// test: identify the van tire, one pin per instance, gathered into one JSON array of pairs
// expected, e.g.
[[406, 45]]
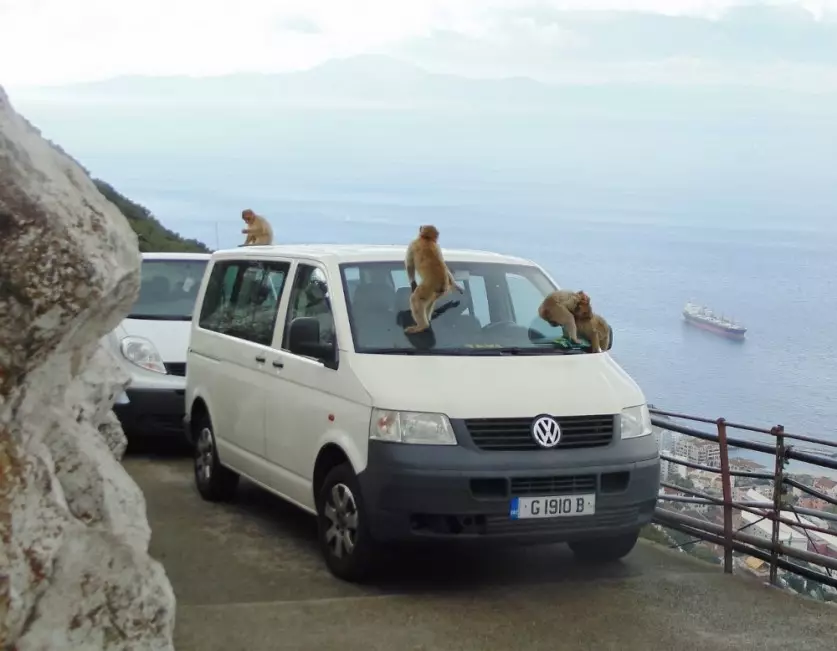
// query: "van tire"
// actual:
[[214, 482], [604, 550], [341, 513]]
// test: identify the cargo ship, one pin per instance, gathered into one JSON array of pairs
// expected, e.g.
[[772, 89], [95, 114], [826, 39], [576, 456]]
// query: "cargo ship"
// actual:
[[703, 317]]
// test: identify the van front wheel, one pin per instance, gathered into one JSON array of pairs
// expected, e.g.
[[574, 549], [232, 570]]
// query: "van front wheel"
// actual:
[[345, 541], [604, 550], [215, 483]]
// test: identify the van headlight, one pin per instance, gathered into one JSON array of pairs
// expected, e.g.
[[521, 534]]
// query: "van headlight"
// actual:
[[411, 427], [636, 422], [142, 353]]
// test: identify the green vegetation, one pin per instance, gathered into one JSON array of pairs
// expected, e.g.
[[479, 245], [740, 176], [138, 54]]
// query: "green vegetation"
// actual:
[[153, 236]]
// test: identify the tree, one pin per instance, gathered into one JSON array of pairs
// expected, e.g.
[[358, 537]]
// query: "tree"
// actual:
[[152, 235], [683, 482]]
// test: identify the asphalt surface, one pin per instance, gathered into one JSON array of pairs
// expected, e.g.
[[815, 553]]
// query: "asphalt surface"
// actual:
[[248, 576]]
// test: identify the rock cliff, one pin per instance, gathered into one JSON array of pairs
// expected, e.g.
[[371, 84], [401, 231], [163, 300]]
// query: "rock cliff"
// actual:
[[74, 566]]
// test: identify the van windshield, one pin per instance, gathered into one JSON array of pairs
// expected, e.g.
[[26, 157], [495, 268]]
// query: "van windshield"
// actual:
[[497, 315], [168, 289]]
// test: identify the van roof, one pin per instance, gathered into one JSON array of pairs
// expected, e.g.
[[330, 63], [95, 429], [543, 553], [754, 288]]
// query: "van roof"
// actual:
[[174, 255], [337, 253]]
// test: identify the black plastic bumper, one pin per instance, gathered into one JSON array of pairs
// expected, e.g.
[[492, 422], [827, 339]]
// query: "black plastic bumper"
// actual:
[[416, 492], [152, 412]]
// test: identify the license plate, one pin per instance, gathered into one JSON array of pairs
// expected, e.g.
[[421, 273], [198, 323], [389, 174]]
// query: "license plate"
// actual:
[[552, 506]]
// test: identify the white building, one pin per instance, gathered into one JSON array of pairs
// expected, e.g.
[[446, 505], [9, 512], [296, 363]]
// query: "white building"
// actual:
[[706, 453], [669, 469], [822, 543], [756, 525]]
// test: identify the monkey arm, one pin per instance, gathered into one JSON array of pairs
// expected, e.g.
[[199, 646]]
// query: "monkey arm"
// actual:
[[410, 265], [452, 280]]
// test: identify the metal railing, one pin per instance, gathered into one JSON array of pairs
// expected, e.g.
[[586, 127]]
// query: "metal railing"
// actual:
[[779, 510]]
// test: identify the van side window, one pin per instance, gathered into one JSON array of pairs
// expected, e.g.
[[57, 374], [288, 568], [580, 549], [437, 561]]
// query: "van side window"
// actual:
[[310, 298], [242, 299]]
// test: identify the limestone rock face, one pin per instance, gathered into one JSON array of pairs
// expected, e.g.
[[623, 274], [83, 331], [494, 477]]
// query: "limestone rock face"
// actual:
[[74, 566]]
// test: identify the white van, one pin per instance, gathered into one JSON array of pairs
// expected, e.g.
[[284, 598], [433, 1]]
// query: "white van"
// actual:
[[151, 343], [482, 428]]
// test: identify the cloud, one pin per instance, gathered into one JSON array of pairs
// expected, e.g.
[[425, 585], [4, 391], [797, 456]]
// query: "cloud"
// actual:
[[300, 24], [783, 45], [61, 41]]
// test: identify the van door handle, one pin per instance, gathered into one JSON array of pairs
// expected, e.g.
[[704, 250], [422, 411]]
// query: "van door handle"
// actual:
[[260, 359], [278, 364]]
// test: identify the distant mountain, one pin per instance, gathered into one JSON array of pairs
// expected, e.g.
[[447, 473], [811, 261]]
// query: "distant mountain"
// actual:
[[374, 81]]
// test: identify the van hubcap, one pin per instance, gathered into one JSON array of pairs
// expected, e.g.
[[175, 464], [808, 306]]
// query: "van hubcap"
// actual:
[[203, 454], [341, 512]]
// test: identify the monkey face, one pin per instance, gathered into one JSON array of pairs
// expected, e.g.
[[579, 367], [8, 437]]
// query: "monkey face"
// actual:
[[583, 310], [429, 232], [248, 216]]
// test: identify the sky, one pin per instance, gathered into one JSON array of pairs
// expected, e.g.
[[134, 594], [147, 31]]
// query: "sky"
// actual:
[[779, 42]]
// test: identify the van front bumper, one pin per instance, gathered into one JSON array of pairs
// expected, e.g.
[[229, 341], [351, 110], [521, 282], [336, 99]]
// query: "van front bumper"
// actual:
[[414, 492], [151, 412]]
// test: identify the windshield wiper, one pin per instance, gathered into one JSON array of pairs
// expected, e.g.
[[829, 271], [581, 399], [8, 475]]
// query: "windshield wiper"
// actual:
[[516, 350], [161, 317], [395, 351], [470, 352]]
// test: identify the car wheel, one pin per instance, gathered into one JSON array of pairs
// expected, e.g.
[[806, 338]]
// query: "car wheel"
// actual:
[[346, 544], [215, 483], [604, 550]]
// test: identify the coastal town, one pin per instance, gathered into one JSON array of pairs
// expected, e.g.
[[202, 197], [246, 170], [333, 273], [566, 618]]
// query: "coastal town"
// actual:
[[756, 492]]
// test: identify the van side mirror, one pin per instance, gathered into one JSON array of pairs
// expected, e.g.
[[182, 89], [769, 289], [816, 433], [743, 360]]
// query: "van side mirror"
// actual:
[[304, 339]]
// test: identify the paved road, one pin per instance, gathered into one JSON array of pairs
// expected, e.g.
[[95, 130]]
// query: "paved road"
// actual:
[[248, 577]]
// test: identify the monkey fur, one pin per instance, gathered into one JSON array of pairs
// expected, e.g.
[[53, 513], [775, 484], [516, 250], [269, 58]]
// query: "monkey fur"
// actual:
[[258, 229], [425, 256], [558, 309], [592, 327]]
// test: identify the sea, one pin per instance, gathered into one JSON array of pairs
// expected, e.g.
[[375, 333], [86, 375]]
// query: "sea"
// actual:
[[747, 232]]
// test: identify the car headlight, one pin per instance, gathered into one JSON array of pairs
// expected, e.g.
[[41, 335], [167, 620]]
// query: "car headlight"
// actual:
[[636, 422], [411, 427], [142, 352]]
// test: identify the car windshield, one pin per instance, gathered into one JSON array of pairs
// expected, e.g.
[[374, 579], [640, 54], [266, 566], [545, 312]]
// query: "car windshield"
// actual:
[[497, 315], [168, 289]]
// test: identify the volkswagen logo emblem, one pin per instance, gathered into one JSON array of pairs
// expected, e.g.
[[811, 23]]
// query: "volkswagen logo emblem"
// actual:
[[546, 431]]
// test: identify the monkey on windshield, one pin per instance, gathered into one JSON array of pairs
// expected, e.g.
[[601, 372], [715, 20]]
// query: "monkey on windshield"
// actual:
[[425, 256], [558, 309], [592, 327], [258, 230]]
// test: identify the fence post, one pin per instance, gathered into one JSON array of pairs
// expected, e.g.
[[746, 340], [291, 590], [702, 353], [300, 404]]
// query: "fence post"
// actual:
[[778, 485], [726, 488]]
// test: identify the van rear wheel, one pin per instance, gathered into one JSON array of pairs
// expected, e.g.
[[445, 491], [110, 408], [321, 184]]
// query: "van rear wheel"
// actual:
[[214, 482], [345, 542], [604, 550]]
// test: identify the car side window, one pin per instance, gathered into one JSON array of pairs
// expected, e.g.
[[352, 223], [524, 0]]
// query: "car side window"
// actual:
[[310, 298], [242, 299]]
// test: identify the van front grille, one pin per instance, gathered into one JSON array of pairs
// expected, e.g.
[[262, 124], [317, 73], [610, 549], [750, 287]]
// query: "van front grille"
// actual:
[[515, 433], [557, 485]]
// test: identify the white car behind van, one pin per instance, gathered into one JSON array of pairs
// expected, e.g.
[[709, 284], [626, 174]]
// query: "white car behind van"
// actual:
[[484, 428], [151, 343]]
